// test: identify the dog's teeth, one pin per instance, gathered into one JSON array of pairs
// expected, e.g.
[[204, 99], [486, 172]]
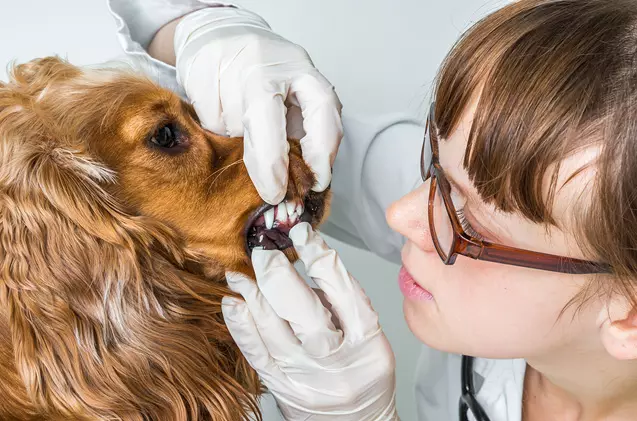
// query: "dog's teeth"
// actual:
[[269, 218], [294, 217], [281, 212], [291, 207], [299, 209]]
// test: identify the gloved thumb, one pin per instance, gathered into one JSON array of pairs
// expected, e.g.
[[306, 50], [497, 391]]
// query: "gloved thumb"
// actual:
[[244, 332]]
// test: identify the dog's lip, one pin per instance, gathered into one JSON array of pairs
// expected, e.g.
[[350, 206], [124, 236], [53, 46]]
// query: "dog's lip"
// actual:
[[255, 215]]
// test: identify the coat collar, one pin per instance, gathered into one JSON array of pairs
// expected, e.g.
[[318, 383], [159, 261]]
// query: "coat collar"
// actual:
[[499, 385]]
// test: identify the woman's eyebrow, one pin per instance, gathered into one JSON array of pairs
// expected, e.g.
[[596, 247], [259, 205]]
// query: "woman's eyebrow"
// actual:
[[457, 186], [466, 192]]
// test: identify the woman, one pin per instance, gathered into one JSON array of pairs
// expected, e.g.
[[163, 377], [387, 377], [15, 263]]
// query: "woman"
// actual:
[[519, 243]]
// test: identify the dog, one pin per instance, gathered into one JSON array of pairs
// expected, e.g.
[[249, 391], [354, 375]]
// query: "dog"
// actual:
[[119, 216]]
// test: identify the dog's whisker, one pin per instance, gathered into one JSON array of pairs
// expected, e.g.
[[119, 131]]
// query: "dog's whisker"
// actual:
[[221, 171]]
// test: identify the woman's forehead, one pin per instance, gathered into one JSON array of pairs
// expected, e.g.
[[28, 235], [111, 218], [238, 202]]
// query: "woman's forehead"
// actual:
[[451, 151]]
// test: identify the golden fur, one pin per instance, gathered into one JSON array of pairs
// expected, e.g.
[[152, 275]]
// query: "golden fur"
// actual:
[[113, 253]]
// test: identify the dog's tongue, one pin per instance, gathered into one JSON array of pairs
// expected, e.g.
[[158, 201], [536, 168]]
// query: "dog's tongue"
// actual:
[[274, 239]]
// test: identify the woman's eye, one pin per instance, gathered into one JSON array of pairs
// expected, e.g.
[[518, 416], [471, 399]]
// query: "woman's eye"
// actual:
[[165, 136], [466, 226]]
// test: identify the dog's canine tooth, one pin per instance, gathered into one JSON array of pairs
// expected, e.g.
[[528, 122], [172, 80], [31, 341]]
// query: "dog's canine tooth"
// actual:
[[269, 218], [291, 207], [281, 212], [299, 209]]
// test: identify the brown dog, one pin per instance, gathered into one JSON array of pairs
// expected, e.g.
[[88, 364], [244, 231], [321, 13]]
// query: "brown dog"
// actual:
[[119, 216]]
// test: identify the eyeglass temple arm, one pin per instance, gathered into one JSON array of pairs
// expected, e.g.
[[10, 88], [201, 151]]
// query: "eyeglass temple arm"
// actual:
[[535, 260]]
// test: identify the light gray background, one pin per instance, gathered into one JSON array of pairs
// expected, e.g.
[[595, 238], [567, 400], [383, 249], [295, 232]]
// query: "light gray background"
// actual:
[[381, 55]]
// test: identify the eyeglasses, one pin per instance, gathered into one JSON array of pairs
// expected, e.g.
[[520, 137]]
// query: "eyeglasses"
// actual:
[[450, 238]]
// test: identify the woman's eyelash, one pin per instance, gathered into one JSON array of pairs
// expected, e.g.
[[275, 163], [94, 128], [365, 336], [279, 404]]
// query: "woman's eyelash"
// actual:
[[466, 226]]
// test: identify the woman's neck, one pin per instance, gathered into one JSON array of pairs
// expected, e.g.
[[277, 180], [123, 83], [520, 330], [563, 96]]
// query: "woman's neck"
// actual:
[[585, 386]]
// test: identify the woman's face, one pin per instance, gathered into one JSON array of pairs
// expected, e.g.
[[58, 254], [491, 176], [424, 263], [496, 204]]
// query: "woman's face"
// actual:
[[487, 309]]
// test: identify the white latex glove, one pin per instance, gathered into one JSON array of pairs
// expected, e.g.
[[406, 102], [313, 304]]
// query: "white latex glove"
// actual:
[[314, 370], [242, 79]]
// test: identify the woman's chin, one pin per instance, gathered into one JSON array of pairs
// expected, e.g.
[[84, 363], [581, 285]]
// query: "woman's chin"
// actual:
[[423, 321], [429, 329], [422, 324]]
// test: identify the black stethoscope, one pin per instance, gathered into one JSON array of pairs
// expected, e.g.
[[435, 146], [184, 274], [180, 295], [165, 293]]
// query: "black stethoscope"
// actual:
[[468, 401]]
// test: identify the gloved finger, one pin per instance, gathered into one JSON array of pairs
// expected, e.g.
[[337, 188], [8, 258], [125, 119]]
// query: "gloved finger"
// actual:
[[293, 300], [275, 332], [349, 302], [201, 89], [246, 335], [266, 146], [231, 100], [326, 303], [322, 124]]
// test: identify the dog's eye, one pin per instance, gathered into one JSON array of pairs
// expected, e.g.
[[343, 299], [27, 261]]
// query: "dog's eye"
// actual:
[[166, 136]]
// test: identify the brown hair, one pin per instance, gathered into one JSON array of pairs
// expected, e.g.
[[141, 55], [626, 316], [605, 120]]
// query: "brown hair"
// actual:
[[553, 77]]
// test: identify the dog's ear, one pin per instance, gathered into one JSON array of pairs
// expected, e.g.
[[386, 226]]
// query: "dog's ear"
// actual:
[[110, 316], [30, 79]]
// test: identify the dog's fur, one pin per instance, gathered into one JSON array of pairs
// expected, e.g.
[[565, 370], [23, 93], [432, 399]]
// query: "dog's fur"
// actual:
[[113, 252]]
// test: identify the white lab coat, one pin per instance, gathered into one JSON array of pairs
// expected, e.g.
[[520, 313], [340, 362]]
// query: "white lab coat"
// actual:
[[362, 190]]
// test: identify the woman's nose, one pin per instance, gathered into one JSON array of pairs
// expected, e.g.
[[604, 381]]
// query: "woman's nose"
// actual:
[[409, 217]]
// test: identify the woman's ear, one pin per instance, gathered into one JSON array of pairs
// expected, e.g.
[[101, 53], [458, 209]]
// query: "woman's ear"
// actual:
[[619, 329]]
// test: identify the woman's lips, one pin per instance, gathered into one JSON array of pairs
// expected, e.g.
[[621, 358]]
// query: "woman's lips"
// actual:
[[410, 289]]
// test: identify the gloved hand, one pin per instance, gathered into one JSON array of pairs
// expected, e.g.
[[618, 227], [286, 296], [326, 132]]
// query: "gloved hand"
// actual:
[[244, 80], [314, 370]]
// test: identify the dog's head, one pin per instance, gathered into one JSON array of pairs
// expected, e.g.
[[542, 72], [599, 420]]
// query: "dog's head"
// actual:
[[144, 146], [119, 215]]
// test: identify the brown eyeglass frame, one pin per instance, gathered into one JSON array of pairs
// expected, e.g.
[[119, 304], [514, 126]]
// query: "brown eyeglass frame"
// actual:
[[464, 244]]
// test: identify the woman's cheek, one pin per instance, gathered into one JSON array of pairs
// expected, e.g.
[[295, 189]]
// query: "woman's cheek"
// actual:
[[474, 294]]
